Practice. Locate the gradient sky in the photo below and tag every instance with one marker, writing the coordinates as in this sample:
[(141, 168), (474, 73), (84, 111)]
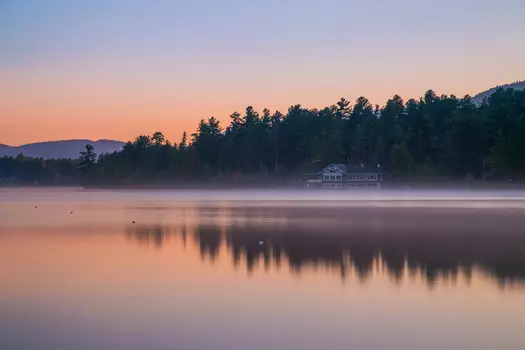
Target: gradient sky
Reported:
[(119, 68)]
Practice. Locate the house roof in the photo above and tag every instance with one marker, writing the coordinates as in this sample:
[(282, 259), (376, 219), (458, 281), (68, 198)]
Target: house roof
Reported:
[(353, 168)]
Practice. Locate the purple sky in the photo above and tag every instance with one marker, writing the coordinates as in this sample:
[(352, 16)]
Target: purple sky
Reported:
[(116, 69)]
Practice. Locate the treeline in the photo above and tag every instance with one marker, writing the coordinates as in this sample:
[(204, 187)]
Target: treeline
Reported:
[(432, 137), (435, 136), (22, 170)]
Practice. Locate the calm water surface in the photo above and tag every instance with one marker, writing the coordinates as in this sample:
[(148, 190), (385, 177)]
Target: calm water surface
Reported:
[(261, 270)]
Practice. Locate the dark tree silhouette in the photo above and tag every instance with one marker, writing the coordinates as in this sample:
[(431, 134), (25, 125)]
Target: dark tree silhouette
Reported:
[(433, 136)]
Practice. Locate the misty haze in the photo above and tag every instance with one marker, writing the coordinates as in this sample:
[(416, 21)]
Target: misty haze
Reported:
[(262, 175), (218, 269)]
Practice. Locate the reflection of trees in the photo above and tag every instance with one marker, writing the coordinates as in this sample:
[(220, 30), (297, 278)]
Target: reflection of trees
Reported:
[(434, 245), (155, 234), (209, 240)]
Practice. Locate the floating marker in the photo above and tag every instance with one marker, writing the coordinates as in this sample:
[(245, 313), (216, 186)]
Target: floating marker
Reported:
[(261, 242)]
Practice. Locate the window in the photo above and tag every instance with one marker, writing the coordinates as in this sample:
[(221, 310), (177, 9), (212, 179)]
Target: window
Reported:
[(372, 177), (338, 177), (332, 177), (326, 177), (333, 185)]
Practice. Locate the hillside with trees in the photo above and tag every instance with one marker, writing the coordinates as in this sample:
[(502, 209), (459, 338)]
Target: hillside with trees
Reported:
[(479, 98), (59, 149), (434, 137)]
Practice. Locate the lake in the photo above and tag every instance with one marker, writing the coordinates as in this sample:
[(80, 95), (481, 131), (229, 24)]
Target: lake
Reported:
[(265, 269)]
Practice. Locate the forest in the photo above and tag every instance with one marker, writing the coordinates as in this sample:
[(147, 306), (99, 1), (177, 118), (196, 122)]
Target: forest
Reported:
[(433, 137)]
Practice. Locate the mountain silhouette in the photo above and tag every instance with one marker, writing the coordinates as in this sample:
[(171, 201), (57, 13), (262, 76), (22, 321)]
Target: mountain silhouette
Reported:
[(60, 149), (479, 98)]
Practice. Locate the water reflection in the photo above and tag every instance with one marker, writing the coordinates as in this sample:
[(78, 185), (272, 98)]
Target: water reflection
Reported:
[(327, 276), (437, 245)]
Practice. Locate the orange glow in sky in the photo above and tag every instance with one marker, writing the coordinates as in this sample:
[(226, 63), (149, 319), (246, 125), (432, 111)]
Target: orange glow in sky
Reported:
[(114, 70)]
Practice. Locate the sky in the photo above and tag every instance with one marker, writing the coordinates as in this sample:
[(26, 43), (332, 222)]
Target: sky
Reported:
[(115, 69)]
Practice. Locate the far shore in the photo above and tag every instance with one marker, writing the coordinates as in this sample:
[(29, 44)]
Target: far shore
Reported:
[(278, 185)]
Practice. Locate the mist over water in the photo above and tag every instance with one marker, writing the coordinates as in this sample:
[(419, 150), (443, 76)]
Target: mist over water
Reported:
[(259, 269)]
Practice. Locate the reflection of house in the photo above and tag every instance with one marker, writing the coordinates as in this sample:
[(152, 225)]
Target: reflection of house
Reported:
[(346, 176)]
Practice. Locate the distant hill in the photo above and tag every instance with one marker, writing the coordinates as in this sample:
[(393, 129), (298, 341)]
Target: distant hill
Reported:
[(478, 99), (60, 149)]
